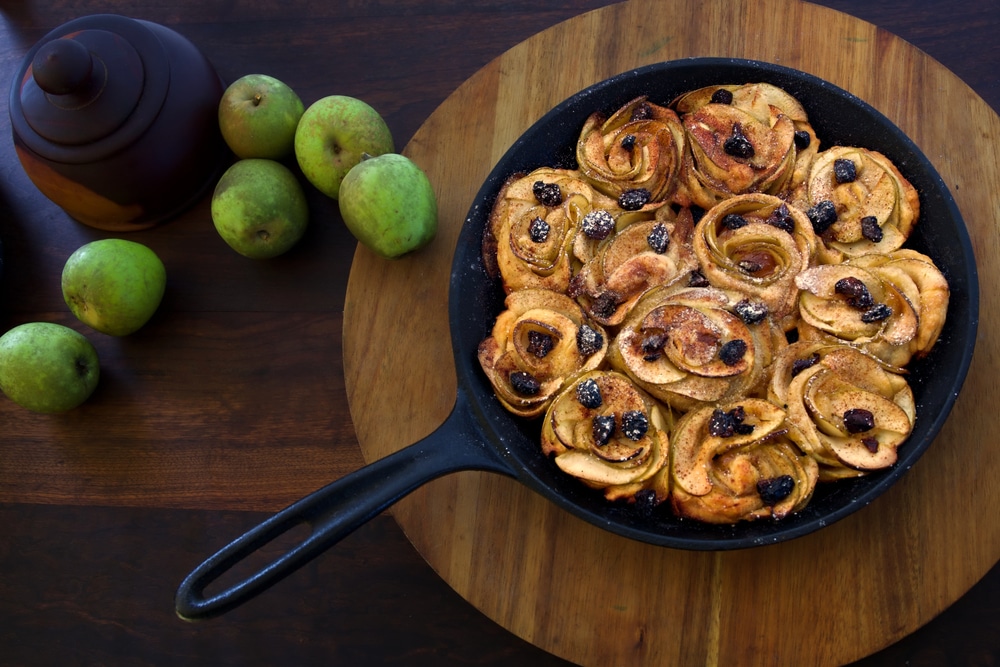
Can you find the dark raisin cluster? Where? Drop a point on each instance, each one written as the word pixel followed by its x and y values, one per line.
pixel 738 145
pixel 659 238
pixel 598 224
pixel 589 394
pixel 727 423
pixel 633 200
pixel 588 340
pixel 772 491
pixel 751 312
pixel 822 216
pixel 547 194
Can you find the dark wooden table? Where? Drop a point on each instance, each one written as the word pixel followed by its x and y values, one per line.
pixel 104 510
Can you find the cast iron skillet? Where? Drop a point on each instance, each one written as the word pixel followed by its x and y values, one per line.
pixel 481 435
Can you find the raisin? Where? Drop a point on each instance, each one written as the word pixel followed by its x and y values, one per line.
pixel 822 215
pixel 628 143
pixel 750 312
pixel 588 340
pixel 844 171
pixel 721 424
pixel 870 443
pixel 733 221
pixel 733 352
pixel 589 394
pixel 858 420
pixel 722 96
pixel 800 365
pixel 802 140
pixel 548 194
pixel 876 313
pixel 645 501
pixel 738 415
pixel 605 305
pixel 642 112
pixel 772 491
pixel 635 425
pixel 659 238
pixel 538 230
pixel 598 224
pixel 603 428
pixel 539 344
pixel 870 229
pixel 633 200
pixel 738 145
pixel 697 279
pixel 652 346
pixel 724 424
pixel 782 218
pixel 524 383
pixel 856 292
pixel 749 266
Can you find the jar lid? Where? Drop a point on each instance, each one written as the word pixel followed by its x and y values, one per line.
pixel 89 88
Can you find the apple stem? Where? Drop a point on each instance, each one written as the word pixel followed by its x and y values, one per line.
pixel 257 98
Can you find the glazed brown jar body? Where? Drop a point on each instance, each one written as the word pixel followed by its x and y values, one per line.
pixel 123 132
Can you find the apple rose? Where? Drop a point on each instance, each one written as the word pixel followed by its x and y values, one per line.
pixel 626 265
pixel 688 346
pixel 609 434
pixel 633 156
pixel 538 341
pixel 846 409
pixel 742 139
pixel 892 306
pixel 859 202
pixel 735 462
pixel 529 238
pixel 757 244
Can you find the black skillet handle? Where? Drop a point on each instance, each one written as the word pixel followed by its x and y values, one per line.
pixel 336 510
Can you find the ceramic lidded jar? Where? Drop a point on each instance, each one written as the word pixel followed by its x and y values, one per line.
pixel 116 121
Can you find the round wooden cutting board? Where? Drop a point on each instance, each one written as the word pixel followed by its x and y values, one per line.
pixel 594 598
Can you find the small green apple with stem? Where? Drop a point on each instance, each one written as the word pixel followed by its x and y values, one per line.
pixel 388 203
pixel 259 208
pixel 47 367
pixel 258 115
pixel 332 135
pixel 114 285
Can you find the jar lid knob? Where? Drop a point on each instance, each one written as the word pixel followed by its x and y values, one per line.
pixel 63 67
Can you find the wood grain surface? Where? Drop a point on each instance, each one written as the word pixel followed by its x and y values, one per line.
pixel 597 599
pixel 233 401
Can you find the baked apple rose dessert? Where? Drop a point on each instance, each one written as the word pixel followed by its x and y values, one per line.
pixel 735 461
pixel 606 432
pixel 633 156
pixel 845 408
pixel 892 306
pixel 860 202
pixel 741 139
pixel 711 314
pixel 533 227
pixel 757 244
pixel 626 265
pixel 691 346
pixel 537 343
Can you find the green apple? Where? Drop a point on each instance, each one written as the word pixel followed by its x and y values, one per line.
pixel 47 367
pixel 258 115
pixel 389 205
pixel 259 208
pixel 332 135
pixel 113 285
